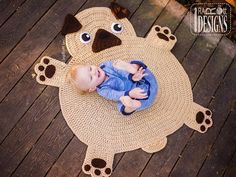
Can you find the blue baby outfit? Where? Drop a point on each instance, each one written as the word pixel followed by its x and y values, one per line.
pixel 120 82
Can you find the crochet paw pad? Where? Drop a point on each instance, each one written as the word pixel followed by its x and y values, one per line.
pixel 164 34
pixel 45 70
pixel 204 120
pixel 98 167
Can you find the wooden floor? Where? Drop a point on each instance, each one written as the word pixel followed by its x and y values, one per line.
pixel 34 138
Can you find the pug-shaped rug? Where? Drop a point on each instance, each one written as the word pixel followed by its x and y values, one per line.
pixel 95 120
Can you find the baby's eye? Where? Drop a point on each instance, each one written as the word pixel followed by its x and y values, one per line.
pixel 90 68
pixel 116 27
pixel 85 37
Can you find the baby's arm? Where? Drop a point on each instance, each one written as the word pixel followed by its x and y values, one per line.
pixel 123 65
pixel 136 68
pixel 131 67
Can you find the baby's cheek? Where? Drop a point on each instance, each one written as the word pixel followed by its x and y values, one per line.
pixel 97 82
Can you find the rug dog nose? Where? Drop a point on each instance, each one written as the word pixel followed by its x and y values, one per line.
pixel 103 40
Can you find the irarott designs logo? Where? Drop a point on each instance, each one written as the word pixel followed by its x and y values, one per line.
pixel 211 18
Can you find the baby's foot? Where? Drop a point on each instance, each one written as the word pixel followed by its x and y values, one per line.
pixel 130 103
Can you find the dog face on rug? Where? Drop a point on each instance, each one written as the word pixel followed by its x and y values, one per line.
pixel 92 33
pixel 99 34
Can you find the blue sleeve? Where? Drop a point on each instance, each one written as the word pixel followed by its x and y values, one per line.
pixel 106 64
pixel 111 94
pixel 123 73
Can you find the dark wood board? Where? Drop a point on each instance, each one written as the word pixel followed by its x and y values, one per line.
pixel 7 8
pixel 20 23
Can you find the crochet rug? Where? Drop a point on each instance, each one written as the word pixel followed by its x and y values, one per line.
pixel 99 34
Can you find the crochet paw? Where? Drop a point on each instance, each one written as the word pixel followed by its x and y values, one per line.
pixel 201 119
pixel 162 37
pixel 45 70
pixel 49 71
pixel 97 167
pixel 204 121
pixel 98 163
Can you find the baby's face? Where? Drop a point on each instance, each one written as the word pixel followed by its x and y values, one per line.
pixel 89 77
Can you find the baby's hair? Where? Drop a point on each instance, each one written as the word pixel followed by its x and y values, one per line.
pixel 71 77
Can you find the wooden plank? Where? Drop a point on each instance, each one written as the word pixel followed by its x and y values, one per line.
pixel 93 3
pixel 20 23
pixel 7 8
pixel 132 163
pixel 24 55
pixel 185 39
pixel 28 130
pixel 212 75
pixel 215 70
pixel 29 90
pixel 223 150
pixel 231 171
pixel 70 161
pixel 166 160
pixel 132 5
pixel 46 150
pixel 196 58
pixel 172 15
pixel 146 15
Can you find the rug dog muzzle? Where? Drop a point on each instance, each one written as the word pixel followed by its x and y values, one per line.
pixel 103 40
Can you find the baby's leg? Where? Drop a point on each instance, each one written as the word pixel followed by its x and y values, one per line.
pixel 130 105
pixel 130 109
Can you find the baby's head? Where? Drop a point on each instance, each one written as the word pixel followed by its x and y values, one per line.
pixel 86 78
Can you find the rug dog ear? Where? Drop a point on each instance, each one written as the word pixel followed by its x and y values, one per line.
pixel 71 25
pixel 118 10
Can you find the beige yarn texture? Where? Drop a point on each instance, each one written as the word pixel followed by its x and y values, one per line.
pixel 96 121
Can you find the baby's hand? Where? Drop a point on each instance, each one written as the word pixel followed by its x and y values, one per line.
pixel 137 93
pixel 139 74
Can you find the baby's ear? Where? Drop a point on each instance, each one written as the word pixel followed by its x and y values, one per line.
pixel 92 89
pixel 119 11
pixel 71 25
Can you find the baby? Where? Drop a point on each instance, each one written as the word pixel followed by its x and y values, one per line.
pixel 131 85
